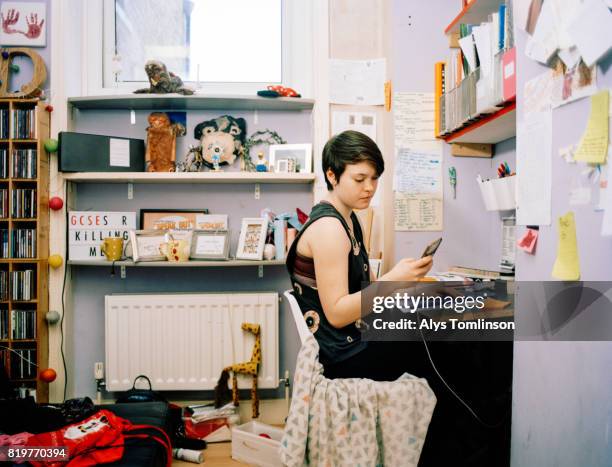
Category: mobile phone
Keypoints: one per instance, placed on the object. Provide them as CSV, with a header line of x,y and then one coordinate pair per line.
x,y
432,247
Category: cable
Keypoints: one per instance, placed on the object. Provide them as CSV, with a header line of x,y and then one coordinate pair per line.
x,y
446,384
19,355
63,305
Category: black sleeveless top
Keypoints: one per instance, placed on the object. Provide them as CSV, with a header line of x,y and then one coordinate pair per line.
x,y
335,345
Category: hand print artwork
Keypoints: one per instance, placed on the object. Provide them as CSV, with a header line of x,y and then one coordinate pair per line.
x,y
23,24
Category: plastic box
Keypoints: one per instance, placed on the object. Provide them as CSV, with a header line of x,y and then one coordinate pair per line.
x,y
248,446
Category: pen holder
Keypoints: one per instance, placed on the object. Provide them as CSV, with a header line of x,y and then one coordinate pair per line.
x,y
498,194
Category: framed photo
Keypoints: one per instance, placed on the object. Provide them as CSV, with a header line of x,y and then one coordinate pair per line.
x,y
252,238
282,166
211,221
145,245
24,24
210,244
298,154
169,219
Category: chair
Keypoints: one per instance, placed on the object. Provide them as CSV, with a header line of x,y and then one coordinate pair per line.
x,y
296,312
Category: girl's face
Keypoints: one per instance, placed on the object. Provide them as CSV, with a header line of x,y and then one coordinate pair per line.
x,y
357,185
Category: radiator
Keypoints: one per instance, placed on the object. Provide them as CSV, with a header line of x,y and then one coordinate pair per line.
x,y
183,341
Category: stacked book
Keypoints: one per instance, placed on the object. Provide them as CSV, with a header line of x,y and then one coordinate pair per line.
x,y
23,243
23,363
4,286
4,324
4,123
22,285
5,251
23,203
4,172
4,203
24,163
23,324
23,124
470,83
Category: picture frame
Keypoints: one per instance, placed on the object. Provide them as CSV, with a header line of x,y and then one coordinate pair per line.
x,y
213,222
28,24
282,166
169,219
145,245
252,238
301,153
210,245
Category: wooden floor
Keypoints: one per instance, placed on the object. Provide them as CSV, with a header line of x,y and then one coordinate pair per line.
x,y
216,455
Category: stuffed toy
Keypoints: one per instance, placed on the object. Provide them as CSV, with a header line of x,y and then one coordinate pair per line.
x,y
250,368
221,141
162,81
161,143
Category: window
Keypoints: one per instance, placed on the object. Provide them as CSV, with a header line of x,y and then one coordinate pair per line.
x,y
223,46
200,40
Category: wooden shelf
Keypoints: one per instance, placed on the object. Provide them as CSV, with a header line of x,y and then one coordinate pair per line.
x,y
184,264
195,102
490,129
474,13
188,177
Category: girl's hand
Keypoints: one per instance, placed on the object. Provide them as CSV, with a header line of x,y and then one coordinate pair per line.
x,y
409,269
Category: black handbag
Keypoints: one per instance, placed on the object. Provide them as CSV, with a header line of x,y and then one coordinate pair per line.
x,y
141,395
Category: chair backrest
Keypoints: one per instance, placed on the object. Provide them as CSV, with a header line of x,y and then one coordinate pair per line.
x,y
296,312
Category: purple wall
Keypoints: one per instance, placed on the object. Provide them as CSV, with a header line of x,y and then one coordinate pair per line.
x,y
562,397
472,236
25,73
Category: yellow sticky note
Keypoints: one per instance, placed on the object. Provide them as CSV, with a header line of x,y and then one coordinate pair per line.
x,y
593,146
567,264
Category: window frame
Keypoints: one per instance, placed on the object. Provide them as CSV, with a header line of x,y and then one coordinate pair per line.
x,y
296,45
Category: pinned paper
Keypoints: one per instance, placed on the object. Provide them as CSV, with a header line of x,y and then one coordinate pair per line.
x,y
567,264
593,146
590,30
528,241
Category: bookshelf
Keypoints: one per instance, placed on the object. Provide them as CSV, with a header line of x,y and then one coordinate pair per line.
x,y
476,11
189,177
475,88
24,245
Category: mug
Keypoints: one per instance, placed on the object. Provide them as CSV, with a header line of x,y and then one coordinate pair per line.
x,y
175,250
112,247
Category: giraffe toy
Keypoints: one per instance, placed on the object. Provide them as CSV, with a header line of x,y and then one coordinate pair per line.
x,y
246,368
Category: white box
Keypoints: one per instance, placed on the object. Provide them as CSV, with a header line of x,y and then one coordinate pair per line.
x,y
249,447
498,194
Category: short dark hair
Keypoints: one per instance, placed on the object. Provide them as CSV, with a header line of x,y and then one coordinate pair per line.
x,y
350,147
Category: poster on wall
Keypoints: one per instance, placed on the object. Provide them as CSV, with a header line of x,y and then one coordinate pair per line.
x,y
88,229
23,24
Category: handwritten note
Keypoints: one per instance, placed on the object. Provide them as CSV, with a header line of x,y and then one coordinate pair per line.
x,y
417,172
534,168
413,120
417,212
593,146
567,264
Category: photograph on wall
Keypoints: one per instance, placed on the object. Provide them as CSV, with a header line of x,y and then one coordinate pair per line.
x,y
23,24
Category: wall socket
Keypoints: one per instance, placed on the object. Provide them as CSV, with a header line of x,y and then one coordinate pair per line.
x,y
99,370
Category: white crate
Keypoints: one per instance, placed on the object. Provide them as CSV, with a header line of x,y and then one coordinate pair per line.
x,y
249,447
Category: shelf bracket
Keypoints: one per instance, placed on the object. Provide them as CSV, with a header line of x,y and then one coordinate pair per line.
x,y
260,271
130,190
257,190
132,117
123,272
255,117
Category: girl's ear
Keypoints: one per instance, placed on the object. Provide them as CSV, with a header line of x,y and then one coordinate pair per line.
x,y
331,177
